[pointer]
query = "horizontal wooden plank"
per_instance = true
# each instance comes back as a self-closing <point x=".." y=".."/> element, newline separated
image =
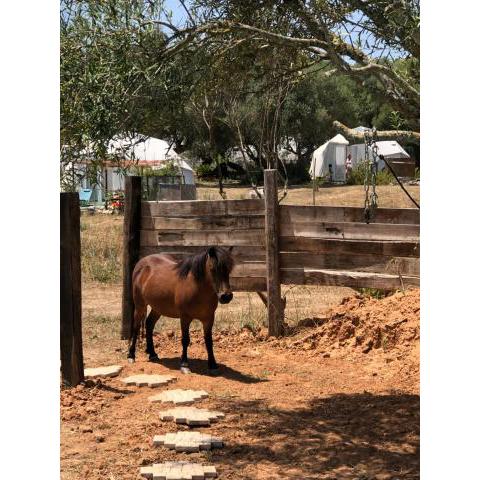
<point x="368" y="263"/>
<point x="239" y="253"/>
<point x="249" y="269"/>
<point x="207" y="222"/>
<point x="353" y="247"/>
<point x="322" y="213"/>
<point x="347" y="279"/>
<point x="248" y="284"/>
<point x="149" y="238"/>
<point x="350" y="230"/>
<point x="202" y="207"/>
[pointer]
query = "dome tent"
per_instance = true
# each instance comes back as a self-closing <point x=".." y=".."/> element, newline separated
<point x="332" y="153"/>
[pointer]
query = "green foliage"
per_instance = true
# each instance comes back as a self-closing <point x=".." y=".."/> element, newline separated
<point x="357" y="175"/>
<point x="374" y="293"/>
<point x="116" y="79"/>
<point x="170" y="169"/>
<point x="204" y="170"/>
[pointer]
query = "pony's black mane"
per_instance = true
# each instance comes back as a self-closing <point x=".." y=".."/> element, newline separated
<point x="196" y="263"/>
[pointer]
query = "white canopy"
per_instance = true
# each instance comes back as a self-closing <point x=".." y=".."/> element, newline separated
<point x="147" y="151"/>
<point x="391" y="149"/>
<point x="332" y="152"/>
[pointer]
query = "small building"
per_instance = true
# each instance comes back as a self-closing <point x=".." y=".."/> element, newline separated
<point x="137" y="156"/>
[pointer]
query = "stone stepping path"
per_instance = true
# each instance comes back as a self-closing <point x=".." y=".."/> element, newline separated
<point x="110" y="371"/>
<point x="143" y="380"/>
<point x="188" y="441"/>
<point x="191" y="416"/>
<point x="178" y="471"/>
<point x="179" y="397"/>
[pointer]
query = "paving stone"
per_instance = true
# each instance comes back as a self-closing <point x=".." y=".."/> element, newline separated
<point x="191" y="416"/>
<point x="110" y="371"/>
<point x="179" y="397"/>
<point x="142" y="380"/>
<point x="188" y="441"/>
<point x="178" y="471"/>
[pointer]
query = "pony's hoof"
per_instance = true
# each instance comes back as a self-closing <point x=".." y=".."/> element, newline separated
<point x="131" y="360"/>
<point x="185" y="370"/>
<point x="154" y="359"/>
<point x="214" y="372"/>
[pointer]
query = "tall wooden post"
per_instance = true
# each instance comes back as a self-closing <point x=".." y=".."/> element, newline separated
<point x="71" y="352"/>
<point x="131" y="247"/>
<point x="272" y="231"/>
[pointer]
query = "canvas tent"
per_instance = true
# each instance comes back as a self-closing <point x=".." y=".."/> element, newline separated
<point x="397" y="157"/>
<point x="334" y="153"/>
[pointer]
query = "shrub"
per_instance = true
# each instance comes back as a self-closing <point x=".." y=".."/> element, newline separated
<point x="357" y="176"/>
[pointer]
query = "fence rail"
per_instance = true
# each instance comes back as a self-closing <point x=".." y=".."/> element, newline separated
<point x="290" y="244"/>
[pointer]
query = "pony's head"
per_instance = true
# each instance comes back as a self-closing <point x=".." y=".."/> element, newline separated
<point x="219" y="264"/>
<point x="214" y="266"/>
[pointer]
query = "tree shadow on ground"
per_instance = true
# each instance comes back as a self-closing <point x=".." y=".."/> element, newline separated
<point x="359" y="436"/>
<point x="200" y="367"/>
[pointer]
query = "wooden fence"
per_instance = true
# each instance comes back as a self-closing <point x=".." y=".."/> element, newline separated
<point x="289" y="244"/>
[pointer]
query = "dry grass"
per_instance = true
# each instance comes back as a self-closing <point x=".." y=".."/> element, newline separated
<point x="101" y="237"/>
<point x="389" y="196"/>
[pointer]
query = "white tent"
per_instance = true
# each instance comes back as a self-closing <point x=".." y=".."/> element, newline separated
<point x="150" y="152"/>
<point x="331" y="154"/>
<point x="388" y="148"/>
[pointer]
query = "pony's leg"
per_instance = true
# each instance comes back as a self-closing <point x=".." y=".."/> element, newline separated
<point x="207" y="335"/>
<point x="138" y="316"/>
<point x="185" y="324"/>
<point x="149" y="327"/>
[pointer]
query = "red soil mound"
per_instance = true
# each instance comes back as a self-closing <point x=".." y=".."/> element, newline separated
<point x="367" y="325"/>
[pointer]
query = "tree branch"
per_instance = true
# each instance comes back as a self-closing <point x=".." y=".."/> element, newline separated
<point x="352" y="135"/>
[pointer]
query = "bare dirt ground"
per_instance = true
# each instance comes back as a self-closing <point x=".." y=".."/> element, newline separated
<point x="338" y="398"/>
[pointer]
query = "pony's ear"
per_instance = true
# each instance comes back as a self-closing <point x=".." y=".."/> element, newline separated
<point x="212" y="253"/>
<point x="230" y="249"/>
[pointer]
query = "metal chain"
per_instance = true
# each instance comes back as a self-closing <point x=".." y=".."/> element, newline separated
<point x="371" y="168"/>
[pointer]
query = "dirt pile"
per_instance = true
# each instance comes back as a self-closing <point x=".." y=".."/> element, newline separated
<point x="366" y="325"/>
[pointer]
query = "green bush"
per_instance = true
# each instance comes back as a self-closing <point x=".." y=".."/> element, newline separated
<point x="357" y="176"/>
<point x="205" y="170"/>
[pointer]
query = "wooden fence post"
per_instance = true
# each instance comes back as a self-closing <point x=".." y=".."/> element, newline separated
<point x="71" y="352"/>
<point x="272" y="230"/>
<point x="131" y="247"/>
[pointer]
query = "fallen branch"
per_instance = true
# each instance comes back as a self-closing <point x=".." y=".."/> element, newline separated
<point x="352" y="135"/>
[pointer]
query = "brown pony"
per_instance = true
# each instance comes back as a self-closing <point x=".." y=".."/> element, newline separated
<point x="189" y="289"/>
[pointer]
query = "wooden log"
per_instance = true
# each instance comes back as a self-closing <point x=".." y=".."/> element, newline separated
<point x="272" y="230"/>
<point x="350" y="247"/>
<point x="351" y="230"/>
<point x="191" y="238"/>
<point x="71" y="349"/>
<point x="202" y="207"/>
<point x="347" y="279"/>
<point x="250" y="253"/>
<point x="131" y="248"/>
<point x="322" y="213"/>
<point x="368" y="263"/>
<point x="208" y="222"/>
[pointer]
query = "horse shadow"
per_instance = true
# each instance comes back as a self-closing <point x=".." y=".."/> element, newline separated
<point x="200" y="367"/>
